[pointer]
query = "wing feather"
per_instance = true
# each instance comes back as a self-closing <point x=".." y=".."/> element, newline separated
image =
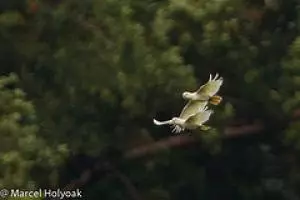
<point x="200" y="118"/>
<point x="191" y="108"/>
<point x="159" y="123"/>
<point x="211" y="87"/>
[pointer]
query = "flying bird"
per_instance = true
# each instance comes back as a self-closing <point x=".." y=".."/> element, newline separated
<point x="188" y="121"/>
<point x="190" y="109"/>
<point x="207" y="92"/>
<point x="195" y="112"/>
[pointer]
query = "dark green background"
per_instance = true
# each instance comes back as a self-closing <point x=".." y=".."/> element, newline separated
<point x="82" y="80"/>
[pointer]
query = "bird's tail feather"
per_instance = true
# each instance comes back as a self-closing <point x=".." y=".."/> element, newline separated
<point x="215" y="100"/>
<point x="159" y="123"/>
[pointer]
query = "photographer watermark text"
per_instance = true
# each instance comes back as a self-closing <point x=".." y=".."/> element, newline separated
<point x="41" y="193"/>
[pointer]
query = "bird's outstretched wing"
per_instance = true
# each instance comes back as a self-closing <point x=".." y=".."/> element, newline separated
<point x="200" y="118"/>
<point x="191" y="108"/>
<point x="159" y="123"/>
<point x="211" y="87"/>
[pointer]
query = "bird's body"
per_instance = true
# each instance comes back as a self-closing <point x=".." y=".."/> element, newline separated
<point x="207" y="92"/>
<point x="189" y="122"/>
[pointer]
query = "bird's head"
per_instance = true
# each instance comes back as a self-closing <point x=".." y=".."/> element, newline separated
<point x="186" y="95"/>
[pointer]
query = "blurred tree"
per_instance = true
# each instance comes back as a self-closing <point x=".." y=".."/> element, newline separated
<point x="24" y="154"/>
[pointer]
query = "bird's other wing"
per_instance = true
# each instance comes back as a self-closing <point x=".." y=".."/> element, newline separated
<point x="191" y="108"/>
<point x="211" y="87"/>
<point x="159" y="123"/>
<point x="200" y="118"/>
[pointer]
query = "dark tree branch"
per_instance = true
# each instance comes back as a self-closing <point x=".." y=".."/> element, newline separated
<point x="182" y="140"/>
<point x="172" y="141"/>
<point x="128" y="184"/>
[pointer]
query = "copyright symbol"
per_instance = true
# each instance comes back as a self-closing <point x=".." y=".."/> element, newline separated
<point x="4" y="193"/>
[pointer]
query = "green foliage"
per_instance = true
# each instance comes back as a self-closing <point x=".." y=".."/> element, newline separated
<point x="11" y="19"/>
<point x="21" y="149"/>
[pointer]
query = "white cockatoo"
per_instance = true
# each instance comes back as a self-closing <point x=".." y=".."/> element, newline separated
<point x="189" y="118"/>
<point x="207" y="92"/>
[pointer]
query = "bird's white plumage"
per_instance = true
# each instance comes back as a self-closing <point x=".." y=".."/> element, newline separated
<point x="159" y="123"/>
<point x="191" y="108"/>
<point x="200" y="118"/>
<point x="211" y="87"/>
<point x="196" y="120"/>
